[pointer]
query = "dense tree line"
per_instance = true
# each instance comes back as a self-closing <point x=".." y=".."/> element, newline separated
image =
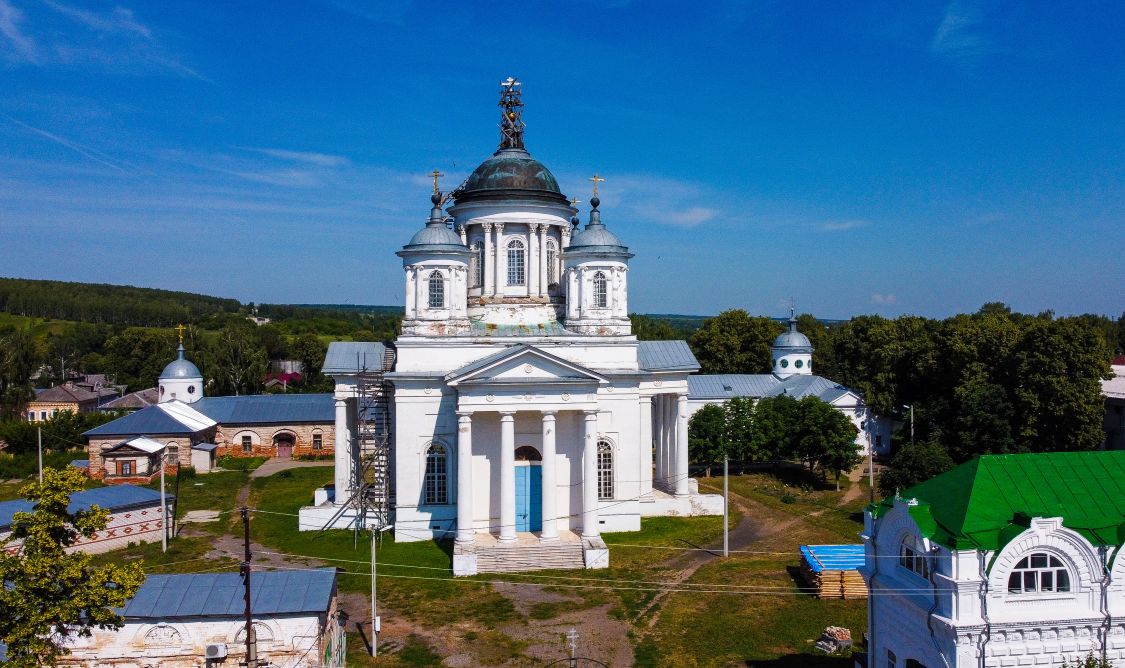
<point x="774" y="429"/>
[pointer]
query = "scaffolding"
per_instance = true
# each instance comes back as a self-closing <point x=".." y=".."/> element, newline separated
<point x="372" y="494"/>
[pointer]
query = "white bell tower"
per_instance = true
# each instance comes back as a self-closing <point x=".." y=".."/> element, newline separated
<point x="792" y="352"/>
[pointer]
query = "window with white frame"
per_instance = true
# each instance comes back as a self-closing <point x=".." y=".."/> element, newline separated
<point x="1038" y="573"/>
<point x="912" y="558"/>
<point x="435" y="487"/>
<point x="892" y="660"/>
<point x="605" y="470"/>
<point x="247" y="443"/>
<point x="552" y="262"/>
<point x="437" y="289"/>
<point x="601" y="291"/>
<point x="516" y="263"/>
<point x="476" y="265"/>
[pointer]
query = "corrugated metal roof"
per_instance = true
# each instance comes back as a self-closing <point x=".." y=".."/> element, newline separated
<point x="205" y="447"/>
<point x="666" y="356"/>
<point x="728" y="386"/>
<point x="187" y="415"/>
<point x="269" y="408"/>
<point x="140" y="443"/>
<point x="833" y="557"/>
<point x="112" y="498"/>
<point x="980" y="503"/>
<point x="150" y="420"/>
<point x="353" y="357"/>
<point x="221" y="594"/>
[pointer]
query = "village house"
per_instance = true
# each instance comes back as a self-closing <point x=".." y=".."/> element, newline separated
<point x="134" y="516"/>
<point x="70" y="396"/>
<point x="196" y="619"/>
<point x="1006" y="560"/>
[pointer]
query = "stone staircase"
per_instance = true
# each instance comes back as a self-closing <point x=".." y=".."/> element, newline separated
<point x="500" y="558"/>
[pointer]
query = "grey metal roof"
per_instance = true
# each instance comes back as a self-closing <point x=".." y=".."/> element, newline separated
<point x="510" y="173"/>
<point x="180" y="368"/>
<point x="205" y="447"/>
<point x="596" y="237"/>
<point x="666" y="356"/>
<point x="268" y="408"/>
<point x="148" y="420"/>
<point x="436" y="235"/>
<point x="728" y="386"/>
<point x="793" y="340"/>
<point x="221" y="594"/>
<point x="113" y="498"/>
<point x="353" y="357"/>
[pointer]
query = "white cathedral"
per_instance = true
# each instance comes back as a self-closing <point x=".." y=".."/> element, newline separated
<point x="526" y="417"/>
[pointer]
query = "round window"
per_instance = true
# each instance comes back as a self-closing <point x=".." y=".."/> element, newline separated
<point x="784" y="363"/>
<point x="191" y="388"/>
<point x="799" y="364"/>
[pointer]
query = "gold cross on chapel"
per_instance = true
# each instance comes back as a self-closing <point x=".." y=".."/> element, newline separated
<point x="596" y="179"/>
<point x="180" y="330"/>
<point x="436" y="174"/>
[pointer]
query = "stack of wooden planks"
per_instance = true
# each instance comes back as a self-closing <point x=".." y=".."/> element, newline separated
<point x="832" y="570"/>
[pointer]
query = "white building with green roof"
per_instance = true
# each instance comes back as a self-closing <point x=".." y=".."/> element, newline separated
<point x="1006" y="560"/>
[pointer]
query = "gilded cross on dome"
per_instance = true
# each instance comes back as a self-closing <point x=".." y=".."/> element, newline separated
<point x="180" y="330"/>
<point x="436" y="174"/>
<point x="596" y="179"/>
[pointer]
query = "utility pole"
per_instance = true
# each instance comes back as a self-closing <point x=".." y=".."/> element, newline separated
<point x="870" y="425"/>
<point x="911" y="424"/>
<point x="726" y="507"/>
<point x="163" y="502"/>
<point x="374" y="616"/>
<point x="251" y="641"/>
<point x="39" y="431"/>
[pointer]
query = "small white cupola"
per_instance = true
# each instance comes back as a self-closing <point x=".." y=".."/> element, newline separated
<point x="436" y="263"/>
<point x="792" y="352"/>
<point x="180" y="380"/>
<point x="596" y="274"/>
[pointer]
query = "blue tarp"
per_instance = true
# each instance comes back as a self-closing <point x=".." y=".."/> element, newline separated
<point x="833" y="557"/>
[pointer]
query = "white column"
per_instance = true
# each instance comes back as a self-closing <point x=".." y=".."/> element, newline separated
<point x="420" y="301"/>
<point x="590" y="475"/>
<point x="464" y="236"/>
<point x="571" y="293"/>
<point x="543" y="260"/>
<point x="550" y="485"/>
<point x="464" y="477"/>
<point x="487" y="272"/>
<point x="507" y="477"/>
<point x="670" y="442"/>
<point x="533" y="261"/>
<point x="565" y="232"/>
<point x="410" y="306"/>
<point x="646" y="449"/>
<point x="342" y="456"/>
<point x="501" y="259"/>
<point x="681" y="446"/>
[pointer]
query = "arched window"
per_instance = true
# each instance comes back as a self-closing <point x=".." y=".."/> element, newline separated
<point x="516" y="274"/>
<point x="437" y="289"/>
<point x="1037" y="573"/>
<point x="912" y="558"/>
<point x="601" y="296"/>
<point x="552" y="262"/>
<point x="605" y="470"/>
<point x="476" y="265"/>
<point x="435" y="487"/>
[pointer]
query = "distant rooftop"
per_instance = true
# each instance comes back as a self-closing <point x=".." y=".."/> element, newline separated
<point x="759" y="385"/>
<point x="114" y="499"/>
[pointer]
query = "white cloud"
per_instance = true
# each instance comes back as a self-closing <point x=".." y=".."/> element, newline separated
<point x="959" y="35"/>
<point x="657" y="199"/>
<point x="119" y="20"/>
<point x="884" y="299"/>
<point x="22" y="46"/>
<point x="843" y="225"/>
<point x="318" y="159"/>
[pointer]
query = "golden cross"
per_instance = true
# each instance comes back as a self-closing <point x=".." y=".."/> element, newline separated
<point x="180" y="329"/>
<point x="596" y="179"/>
<point x="574" y="201"/>
<point x="436" y="174"/>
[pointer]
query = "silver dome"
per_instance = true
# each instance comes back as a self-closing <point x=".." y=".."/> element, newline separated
<point x="180" y="368"/>
<point x="793" y="340"/>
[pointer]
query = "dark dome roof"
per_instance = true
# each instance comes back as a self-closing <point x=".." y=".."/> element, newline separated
<point x="510" y="172"/>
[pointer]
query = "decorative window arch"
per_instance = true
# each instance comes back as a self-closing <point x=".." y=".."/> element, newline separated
<point x="435" y="485"/>
<point x="1039" y="573"/>
<point x="516" y="262"/>
<point x="605" y="470"/>
<point x="601" y="291"/>
<point x="552" y="262"/>
<point x="912" y="557"/>
<point x="476" y="265"/>
<point x="436" y="284"/>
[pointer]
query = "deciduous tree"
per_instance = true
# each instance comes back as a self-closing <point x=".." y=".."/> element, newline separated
<point x="735" y="342"/>
<point x="912" y="465"/>
<point x="707" y="436"/>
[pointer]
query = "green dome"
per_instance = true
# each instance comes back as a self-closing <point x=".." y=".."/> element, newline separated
<point x="510" y="173"/>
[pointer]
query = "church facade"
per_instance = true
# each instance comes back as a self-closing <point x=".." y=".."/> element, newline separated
<point x="526" y="417"/>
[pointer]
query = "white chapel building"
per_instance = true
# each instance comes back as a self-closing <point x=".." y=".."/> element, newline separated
<point x="526" y="419"/>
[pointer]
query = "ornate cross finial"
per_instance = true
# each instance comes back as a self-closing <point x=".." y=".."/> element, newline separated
<point x="511" y="115"/>
<point x="180" y="330"/>
<point x="574" y="201"/>
<point x="596" y="179"/>
<point x="436" y="174"/>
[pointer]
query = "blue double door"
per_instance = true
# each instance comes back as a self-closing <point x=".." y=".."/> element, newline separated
<point x="529" y="498"/>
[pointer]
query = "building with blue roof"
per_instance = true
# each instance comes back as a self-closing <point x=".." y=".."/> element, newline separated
<point x="134" y="516"/>
<point x="196" y="619"/>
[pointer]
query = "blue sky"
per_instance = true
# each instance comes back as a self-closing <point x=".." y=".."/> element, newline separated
<point x="857" y="158"/>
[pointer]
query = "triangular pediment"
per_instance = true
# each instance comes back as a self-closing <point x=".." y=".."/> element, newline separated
<point x="523" y="364"/>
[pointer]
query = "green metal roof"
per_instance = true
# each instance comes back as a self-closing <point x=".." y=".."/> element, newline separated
<point x="989" y="500"/>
